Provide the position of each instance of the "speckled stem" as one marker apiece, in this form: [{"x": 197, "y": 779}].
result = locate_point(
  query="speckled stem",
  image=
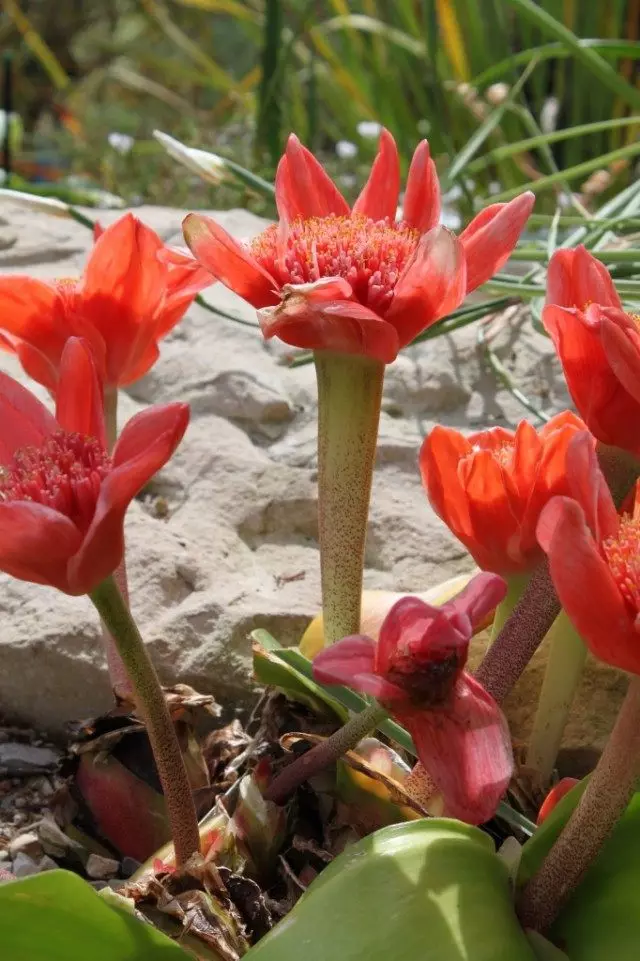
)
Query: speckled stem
[
  {"x": 120, "y": 683},
  {"x": 324, "y": 754},
  {"x": 153, "y": 708},
  {"x": 349, "y": 396},
  {"x": 516, "y": 584},
  {"x": 567, "y": 655},
  {"x": 621, "y": 470},
  {"x": 521, "y": 635},
  {"x": 604, "y": 800}
]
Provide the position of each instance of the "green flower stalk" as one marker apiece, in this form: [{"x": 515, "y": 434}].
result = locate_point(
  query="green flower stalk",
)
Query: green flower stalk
[{"x": 349, "y": 397}]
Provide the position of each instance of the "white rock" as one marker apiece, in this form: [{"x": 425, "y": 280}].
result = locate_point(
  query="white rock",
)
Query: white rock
[
  {"x": 24, "y": 866},
  {"x": 100, "y": 869},
  {"x": 28, "y": 843}
]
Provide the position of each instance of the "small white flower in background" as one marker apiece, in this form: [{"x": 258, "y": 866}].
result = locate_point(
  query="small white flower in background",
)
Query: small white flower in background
[
  {"x": 497, "y": 93},
  {"x": 369, "y": 129},
  {"x": 549, "y": 114},
  {"x": 121, "y": 142},
  {"x": 346, "y": 150}
]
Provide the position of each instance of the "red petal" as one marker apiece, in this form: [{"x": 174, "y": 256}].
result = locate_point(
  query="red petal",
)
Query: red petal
[
  {"x": 303, "y": 188},
  {"x": 351, "y": 662},
  {"x": 379, "y": 196},
  {"x": 621, "y": 343},
  {"x": 145, "y": 445},
  {"x": 491, "y": 236},
  {"x": 480, "y": 597},
  {"x": 79, "y": 398},
  {"x": 36, "y": 543},
  {"x": 308, "y": 317},
  {"x": 467, "y": 751},
  {"x": 496, "y": 525},
  {"x": 24, "y": 420},
  {"x": 228, "y": 261},
  {"x": 432, "y": 285},
  {"x": 421, "y": 207},
  {"x": 589, "y": 488},
  {"x": 32, "y": 311},
  {"x": 441, "y": 453},
  {"x": 576, "y": 278},
  {"x": 585, "y": 586},
  {"x": 554, "y": 797},
  {"x": 409, "y": 615}
]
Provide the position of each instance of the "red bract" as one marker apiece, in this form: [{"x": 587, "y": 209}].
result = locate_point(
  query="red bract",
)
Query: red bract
[
  {"x": 355, "y": 280},
  {"x": 62, "y": 498},
  {"x": 132, "y": 293},
  {"x": 416, "y": 670},
  {"x": 598, "y": 345},
  {"x": 490, "y": 487},
  {"x": 594, "y": 558}
]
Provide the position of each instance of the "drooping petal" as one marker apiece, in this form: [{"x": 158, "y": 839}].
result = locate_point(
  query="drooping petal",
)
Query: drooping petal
[
  {"x": 79, "y": 398},
  {"x": 491, "y": 236},
  {"x": 408, "y": 616},
  {"x": 36, "y": 543},
  {"x": 32, "y": 311},
  {"x": 351, "y": 662},
  {"x": 310, "y": 317},
  {"x": 145, "y": 445},
  {"x": 588, "y": 487},
  {"x": 432, "y": 285},
  {"x": 466, "y": 748},
  {"x": 585, "y": 586},
  {"x": 379, "y": 196},
  {"x": 576, "y": 278},
  {"x": 480, "y": 597},
  {"x": 303, "y": 187},
  {"x": 228, "y": 261},
  {"x": 421, "y": 206},
  {"x": 36, "y": 365},
  {"x": 621, "y": 343},
  {"x": 24, "y": 420},
  {"x": 607, "y": 409}
]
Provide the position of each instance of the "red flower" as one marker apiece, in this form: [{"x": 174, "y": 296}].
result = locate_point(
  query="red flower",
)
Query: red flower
[
  {"x": 356, "y": 281},
  {"x": 598, "y": 345},
  {"x": 62, "y": 498},
  {"x": 416, "y": 670},
  {"x": 132, "y": 293},
  {"x": 490, "y": 487},
  {"x": 594, "y": 559},
  {"x": 553, "y": 798}
]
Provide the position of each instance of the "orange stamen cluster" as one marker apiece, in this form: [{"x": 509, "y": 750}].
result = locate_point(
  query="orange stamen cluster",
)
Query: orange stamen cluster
[
  {"x": 64, "y": 474},
  {"x": 623, "y": 556},
  {"x": 370, "y": 254}
]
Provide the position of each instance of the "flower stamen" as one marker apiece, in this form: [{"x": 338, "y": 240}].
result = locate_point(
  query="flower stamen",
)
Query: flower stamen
[{"x": 623, "y": 556}]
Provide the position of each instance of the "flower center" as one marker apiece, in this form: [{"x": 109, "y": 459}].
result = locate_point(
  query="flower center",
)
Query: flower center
[
  {"x": 623, "y": 556},
  {"x": 428, "y": 682},
  {"x": 369, "y": 254},
  {"x": 65, "y": 474}
]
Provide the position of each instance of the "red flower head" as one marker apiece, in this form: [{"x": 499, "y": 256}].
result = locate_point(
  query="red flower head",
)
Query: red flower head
[
  {"x": 133, "y": 291},
  {"x": 598, "y": 345},
  {"x": 416, "y": 670},
  {"x": 62, "y": 498},
  {"x": 356, "y": 281},
  {"x": 594, "y": 559},
  {"x": 490, "y": 487}
]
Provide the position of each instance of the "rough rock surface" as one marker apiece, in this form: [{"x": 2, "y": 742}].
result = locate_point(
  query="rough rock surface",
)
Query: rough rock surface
[{"x": 225, "y": 540}]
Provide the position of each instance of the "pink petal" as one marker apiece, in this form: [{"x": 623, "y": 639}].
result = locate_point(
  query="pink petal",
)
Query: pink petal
[
  {"x": 589, "y": 488},
  {"x": 309, "y": 318},
  {"x": 145, "y": 445},
  {"x": 228, "y": 261},
  {"x": 24, "y": 420},
  {"x": 491, "y": 236},
  {"x": 36, "y": 543},
  {"x": 480, "y": 597},
  {"x": 432, "y": 285},
  {"x": 585, "y": 586},
  {"x": 379, "y": 196},
  {"x": 576, "y": 278},
  {"x": 621, "y": 343},
  {"x": 409, "y": 614},
  {"x": 351, "y": 662},
  {"x": 303, "y": 188},
  {"x": 466, "y": 748},
  {"x": 421, "y": 207},
  {"x": 79, "y": 397}
]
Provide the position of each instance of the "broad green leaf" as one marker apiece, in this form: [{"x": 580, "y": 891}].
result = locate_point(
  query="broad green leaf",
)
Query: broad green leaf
[
  {"x": 57, "y": 916},
  {"x": 430, "y": 890}
]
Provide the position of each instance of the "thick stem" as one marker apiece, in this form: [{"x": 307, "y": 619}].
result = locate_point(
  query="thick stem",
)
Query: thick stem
[
  {"x": 516, "y": 584},
  {"x": 521, "y": 635},
  {"x": 152, "y": 706},
  {"x": 324, "y": 754},
  {"x": 120, "y": 682},
  {"x": 349, "y": 396},
  {"x": 565, "y": 663},
  {"x": 604, "y": 800},
  {"x": 621, "y": 470}
]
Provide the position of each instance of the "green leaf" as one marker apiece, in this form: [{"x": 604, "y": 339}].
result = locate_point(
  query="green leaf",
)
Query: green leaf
[
  {"x": 601, "y": 920},
  {"x": 430, "y": 890},
  {"x": 57, "y": 916},
  {"x": 551, "y": 51}
]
